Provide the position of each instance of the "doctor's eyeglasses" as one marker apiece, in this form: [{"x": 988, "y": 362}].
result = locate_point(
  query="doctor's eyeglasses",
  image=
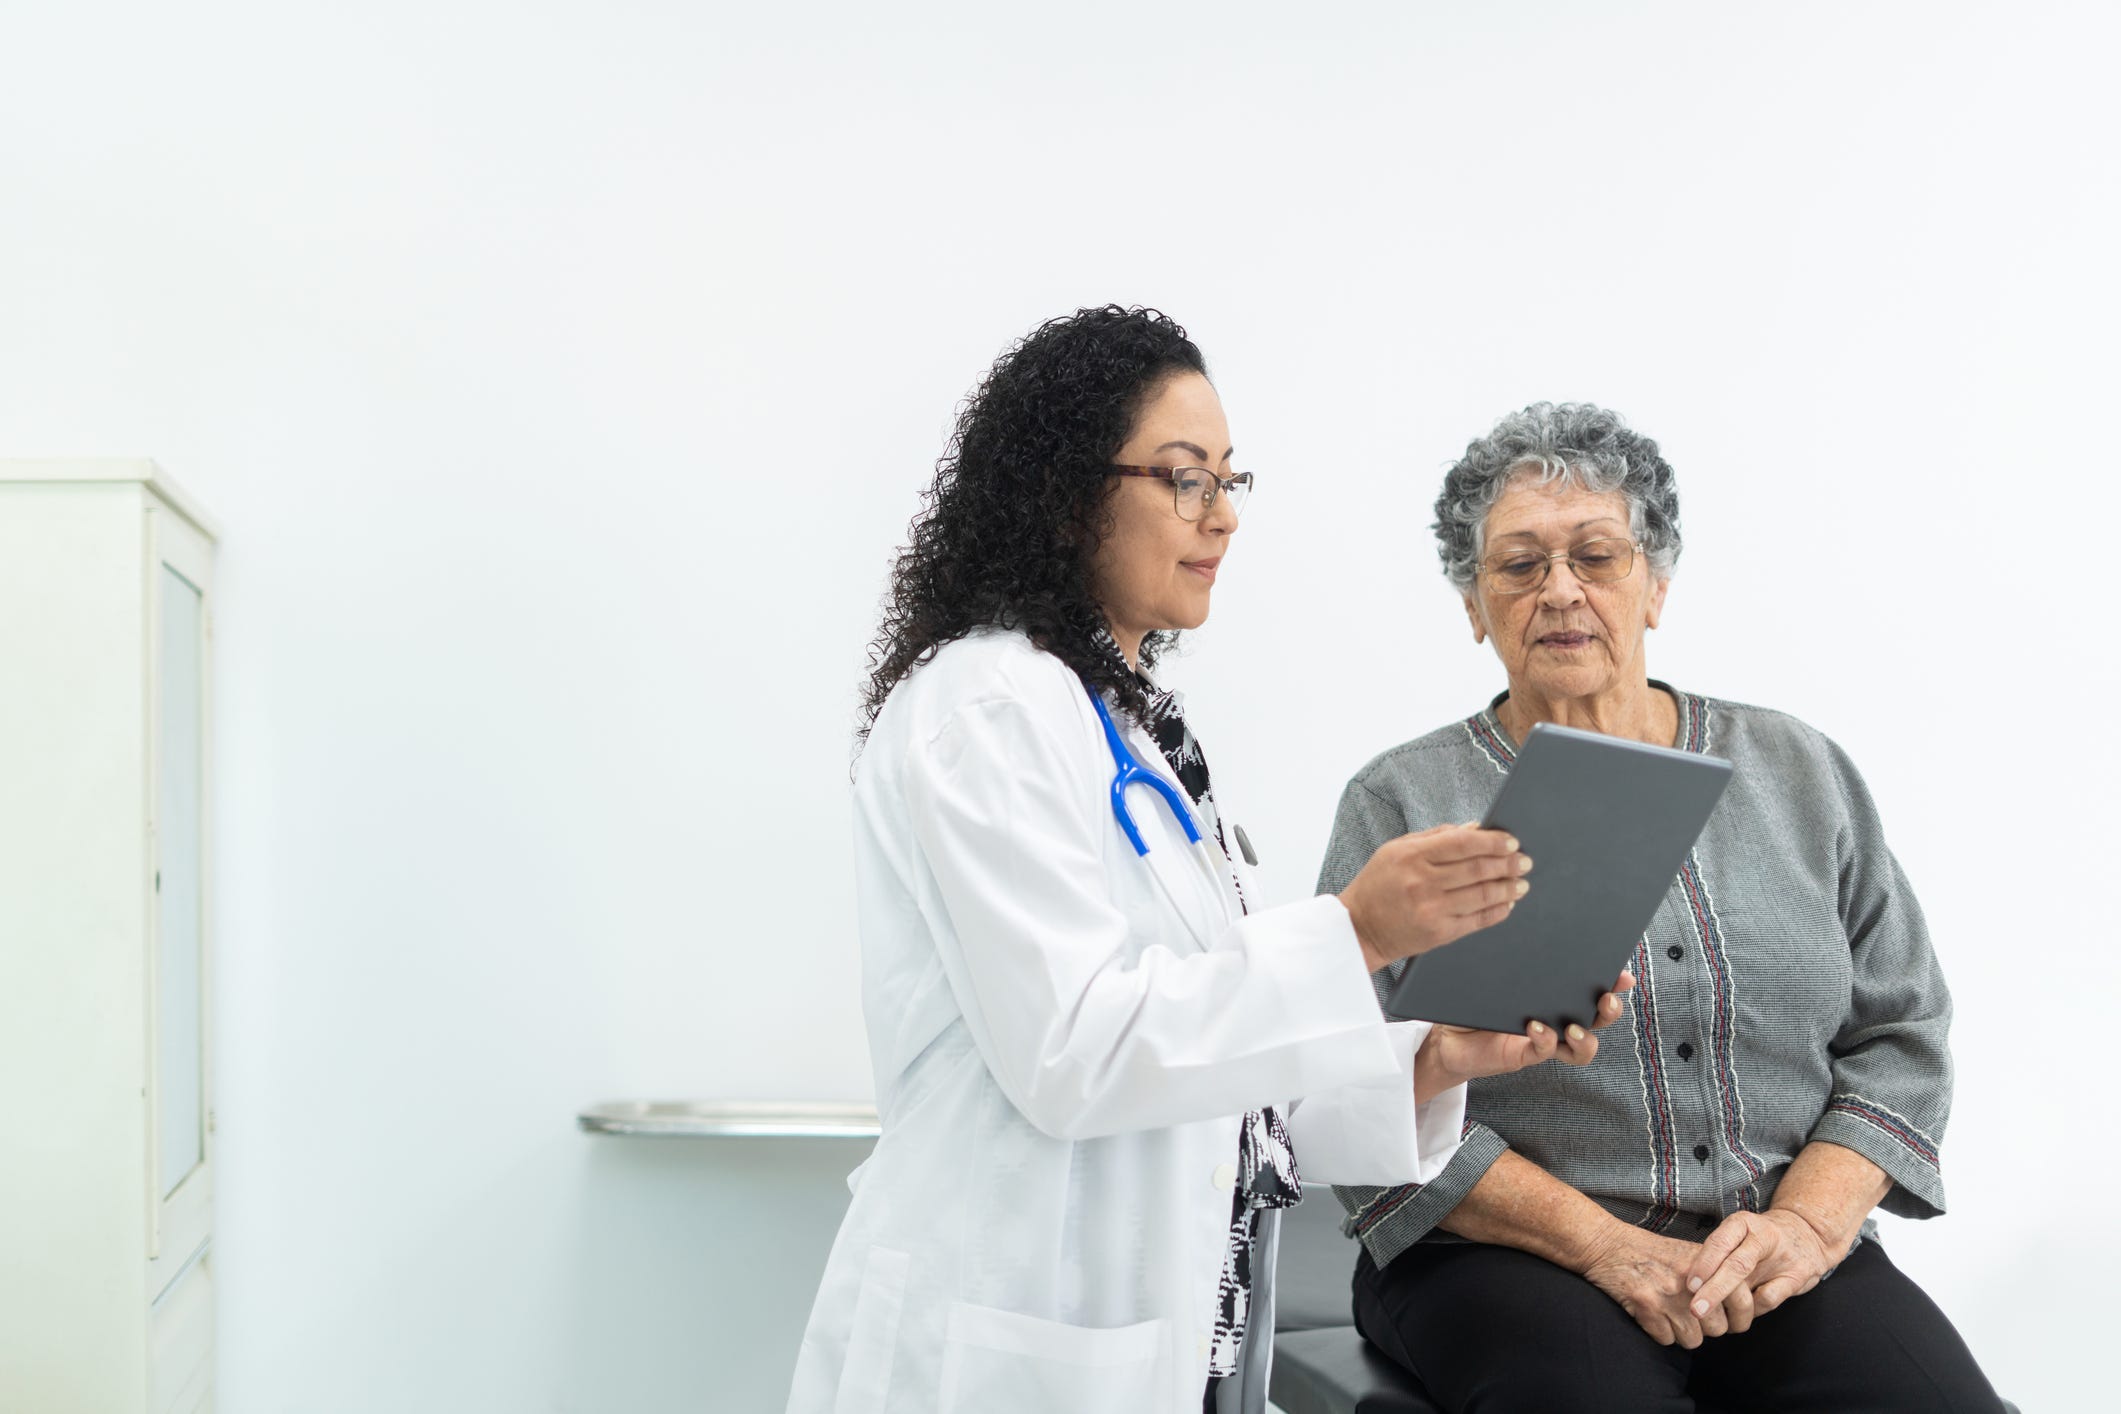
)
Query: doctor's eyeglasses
[
  {"x": 1194, "y": 488},
  {"x": 1592, "y": 562}
]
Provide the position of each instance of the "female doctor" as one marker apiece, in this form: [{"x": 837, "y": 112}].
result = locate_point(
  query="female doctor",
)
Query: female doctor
[{"x": 1099, "y": 1060}]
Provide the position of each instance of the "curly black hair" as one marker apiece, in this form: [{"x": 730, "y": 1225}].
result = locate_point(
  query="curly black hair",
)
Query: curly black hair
[{"x": 1020, "y": 502}]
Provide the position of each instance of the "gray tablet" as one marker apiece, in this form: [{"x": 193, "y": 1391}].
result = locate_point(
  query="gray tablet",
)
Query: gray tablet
[{"x": 1608, "y": 824}]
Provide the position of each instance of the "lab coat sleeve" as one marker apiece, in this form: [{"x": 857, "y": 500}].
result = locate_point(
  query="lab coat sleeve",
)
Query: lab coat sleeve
[
  {"x": 1373, "y": 1133},
  {"x": 1090, "y": 1031}
]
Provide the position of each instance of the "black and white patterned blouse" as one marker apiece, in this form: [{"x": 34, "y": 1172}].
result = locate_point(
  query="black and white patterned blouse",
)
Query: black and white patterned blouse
[{"x": 1267, "y": 1176}]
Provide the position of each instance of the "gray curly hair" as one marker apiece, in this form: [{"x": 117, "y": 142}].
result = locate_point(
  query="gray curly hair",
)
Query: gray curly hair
[{"x": 1575, "y": 443}]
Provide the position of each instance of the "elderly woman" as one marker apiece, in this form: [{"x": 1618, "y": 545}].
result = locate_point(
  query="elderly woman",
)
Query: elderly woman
[{"x": 1685, "y": 1223}]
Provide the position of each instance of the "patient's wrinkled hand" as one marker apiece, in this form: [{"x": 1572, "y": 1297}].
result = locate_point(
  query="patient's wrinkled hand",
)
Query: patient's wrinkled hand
[
  {"x": 1647, "y": 1273},
  {"x": 1756, "y": 1261}
]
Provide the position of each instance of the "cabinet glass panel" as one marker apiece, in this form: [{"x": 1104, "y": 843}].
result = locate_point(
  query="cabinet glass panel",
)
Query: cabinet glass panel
[{"x": 180, "y": 1058}]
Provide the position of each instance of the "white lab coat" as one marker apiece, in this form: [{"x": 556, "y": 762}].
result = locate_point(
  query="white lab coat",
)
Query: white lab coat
[{"x": 1065, "y": 1036}]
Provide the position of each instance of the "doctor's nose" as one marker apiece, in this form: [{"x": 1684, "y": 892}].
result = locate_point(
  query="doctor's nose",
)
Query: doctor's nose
[{"x": 1221, "y": 517}]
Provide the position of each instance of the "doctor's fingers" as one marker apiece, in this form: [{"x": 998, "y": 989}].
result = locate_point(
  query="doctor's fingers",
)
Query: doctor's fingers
[
  {"x": 1578, "y": 1046},
  {"x": 1611, "y": 1005},
  {"x": 1482, "y": 897},
  {"x": 1451, "y": 929},
  {"x": 1538, "y": 1048},
  {"x": 1460, "y": 873},
  {"x": 1447, "y": 842}
]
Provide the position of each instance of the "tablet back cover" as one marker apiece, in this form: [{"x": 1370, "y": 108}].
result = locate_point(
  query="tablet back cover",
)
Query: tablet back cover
[{"x": 1608, "y": 824}]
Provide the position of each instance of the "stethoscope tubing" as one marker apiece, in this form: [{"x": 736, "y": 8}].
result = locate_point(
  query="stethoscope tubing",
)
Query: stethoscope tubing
[
  {"x": 1131, "y": 772},
  {"x": 1128, "y": 771}
]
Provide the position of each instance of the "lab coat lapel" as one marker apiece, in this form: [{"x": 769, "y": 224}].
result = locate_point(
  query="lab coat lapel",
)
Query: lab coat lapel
[{"x": 1176, "y": 860}]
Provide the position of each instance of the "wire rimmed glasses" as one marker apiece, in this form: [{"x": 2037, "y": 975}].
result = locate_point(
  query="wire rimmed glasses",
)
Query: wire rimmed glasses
[
  {"x": 1599, "y": 561},
  {"x": 1194, "y": 489}
]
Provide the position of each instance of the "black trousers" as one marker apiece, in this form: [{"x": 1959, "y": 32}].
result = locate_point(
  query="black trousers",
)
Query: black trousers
[{"x": 1491, "y": 1330}]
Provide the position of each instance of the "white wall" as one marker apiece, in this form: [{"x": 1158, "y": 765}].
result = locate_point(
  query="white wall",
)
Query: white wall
[{"x": 565, "y": 374}]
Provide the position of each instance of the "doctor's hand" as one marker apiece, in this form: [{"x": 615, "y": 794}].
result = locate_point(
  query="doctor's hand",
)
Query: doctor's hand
[
  {"x": 1421, "y": 891},
  {"x": 1452, "y": 1055}
]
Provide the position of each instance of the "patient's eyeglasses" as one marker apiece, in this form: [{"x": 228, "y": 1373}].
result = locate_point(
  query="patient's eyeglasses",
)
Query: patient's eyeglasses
[
  {"x": 1593, "y": 562},
  {"x": 1194, "y": 488}
]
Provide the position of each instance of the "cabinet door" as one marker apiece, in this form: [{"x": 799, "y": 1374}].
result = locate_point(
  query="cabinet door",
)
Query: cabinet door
[{"x": 179, "y": 1086}]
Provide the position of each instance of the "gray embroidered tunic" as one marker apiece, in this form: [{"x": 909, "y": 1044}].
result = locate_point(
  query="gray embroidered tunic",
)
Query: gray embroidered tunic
[{"x": 1786, "y": 992}]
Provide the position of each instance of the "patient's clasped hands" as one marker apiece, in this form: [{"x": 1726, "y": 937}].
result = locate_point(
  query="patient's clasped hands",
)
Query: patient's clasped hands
[
  {"x": 1686, "y": 1292},
  {"x": 1754, "y": 1262}
]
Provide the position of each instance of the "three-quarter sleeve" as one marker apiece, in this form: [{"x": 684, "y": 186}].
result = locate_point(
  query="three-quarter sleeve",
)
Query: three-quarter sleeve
[{"x": 1891, "y": 1062}]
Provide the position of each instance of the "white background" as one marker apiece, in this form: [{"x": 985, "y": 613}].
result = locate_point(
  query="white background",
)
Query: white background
[{"x": 564, "y": 375}]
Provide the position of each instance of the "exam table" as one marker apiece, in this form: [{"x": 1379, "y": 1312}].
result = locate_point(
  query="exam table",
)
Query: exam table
[{"x": 1321, "y": 1364}]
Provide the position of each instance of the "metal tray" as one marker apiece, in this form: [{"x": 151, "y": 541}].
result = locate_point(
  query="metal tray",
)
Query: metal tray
[{"x": 731, "y": 1119}]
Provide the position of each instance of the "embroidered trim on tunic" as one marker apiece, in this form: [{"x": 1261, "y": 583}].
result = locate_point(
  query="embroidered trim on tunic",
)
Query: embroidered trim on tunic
[
  {"x": 1895, "y": 1126},
  {"x": 1724, "y": 1025}
]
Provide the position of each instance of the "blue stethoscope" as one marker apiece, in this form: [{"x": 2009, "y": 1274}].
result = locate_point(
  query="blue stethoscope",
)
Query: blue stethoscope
[{"x": 1131, "y": 772}]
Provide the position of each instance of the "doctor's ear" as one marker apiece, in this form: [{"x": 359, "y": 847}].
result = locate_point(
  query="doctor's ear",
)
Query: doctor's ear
[{"x": 1480, "y": 627}]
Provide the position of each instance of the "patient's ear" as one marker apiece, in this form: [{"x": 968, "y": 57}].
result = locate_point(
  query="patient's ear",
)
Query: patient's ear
[
  {"x": 1480, "y": 628},
  {"x": 1657, "y": 602}
]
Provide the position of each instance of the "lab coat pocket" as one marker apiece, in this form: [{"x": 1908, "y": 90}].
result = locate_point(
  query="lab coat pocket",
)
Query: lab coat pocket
[
  {"x": 872, "y": 1333},
  {"x": 1001, "y": 1360}
]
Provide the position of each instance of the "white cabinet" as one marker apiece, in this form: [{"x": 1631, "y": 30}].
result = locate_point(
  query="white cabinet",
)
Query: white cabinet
[{"x": 106, "y": 1056}]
